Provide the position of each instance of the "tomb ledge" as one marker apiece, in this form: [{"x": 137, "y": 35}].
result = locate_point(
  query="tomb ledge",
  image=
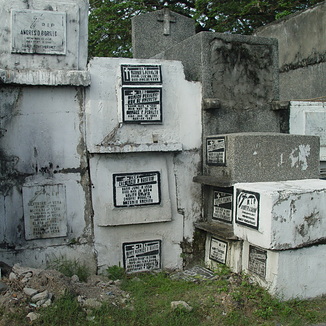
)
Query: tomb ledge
[
  {"x": 45, "y": 77},
  {"x": 135, "y": 148},
  {"x": 218, "y": 229},
  {"x": 213, "y": 181}
]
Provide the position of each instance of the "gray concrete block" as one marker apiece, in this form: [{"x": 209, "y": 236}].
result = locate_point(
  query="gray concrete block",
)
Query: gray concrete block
[{"x": 256, "y": 157}]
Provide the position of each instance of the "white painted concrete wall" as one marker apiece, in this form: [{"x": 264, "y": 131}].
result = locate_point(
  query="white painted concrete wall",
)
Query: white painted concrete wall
[
  {"x": 75, "y": 57},
  {"x": 43, "y": 143},
  {"x": 292, "y": 274},
  {"x": 233, "y": 257},
  {"x": 172, "y": 148},
  {"x": 291, "y": 214},
  {"x": 309, "y": 118}
]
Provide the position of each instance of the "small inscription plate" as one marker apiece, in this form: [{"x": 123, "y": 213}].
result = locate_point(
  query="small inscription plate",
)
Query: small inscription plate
[
  {"x": 222, "y": 205},
  {"x": 137, "y": 189},
  {"x": 142, "y": 105},
  {"x": 45, "y": 212},
  {"x": 142, "y": 256},
  {"x": 38, "y": 32},
  {"x": 247, "y": 208},
  {"x": 141, "y": 74},
  {"x": 218, "y": 250},
  {"x": 215, "y": 150},
  {"x": 257, "y": 261}
]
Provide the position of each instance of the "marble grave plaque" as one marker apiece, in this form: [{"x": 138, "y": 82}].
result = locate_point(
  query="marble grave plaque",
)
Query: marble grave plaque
[
  {"x": 136, "y": 189},
  {"x": 257, "y": 261},
  {"x": 215, "y": 150},
  {"x": 142, "y": 105},
  {"x": 38, "y": 32},
  {"x": 247, "y": 208},
  {"x": 142, "y": 256},
  {"x": 222, "y": 204},
  {"x": 218, "y": 250},
  {"x": 141, "y": 74},
  {"x": 45, "y": 213}
]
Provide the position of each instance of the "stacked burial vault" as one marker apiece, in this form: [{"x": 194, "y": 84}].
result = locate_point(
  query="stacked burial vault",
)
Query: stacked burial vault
[
  {"x": 101, "y": 168},
  {"x": 264, "y": 206}
]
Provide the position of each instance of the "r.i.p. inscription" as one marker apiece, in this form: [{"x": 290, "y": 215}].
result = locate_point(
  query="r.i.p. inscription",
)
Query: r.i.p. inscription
[{"x": 38, "y": 32}]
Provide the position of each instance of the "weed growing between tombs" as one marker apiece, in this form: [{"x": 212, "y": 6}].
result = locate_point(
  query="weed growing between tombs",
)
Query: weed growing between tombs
[
  {"x": 227, "y": 299},
  {"x": 70, "y": 267}
]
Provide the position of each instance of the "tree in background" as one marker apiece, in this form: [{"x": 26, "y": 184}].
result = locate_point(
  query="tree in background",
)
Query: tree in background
[{"x": 110, "y": 20}]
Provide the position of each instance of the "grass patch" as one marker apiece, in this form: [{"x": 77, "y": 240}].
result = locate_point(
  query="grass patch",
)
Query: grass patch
[
  {"x": 64, "y": 311},
  {"x": 228, "y": 300},
  {"x": 115, "y": 273},
  {"x": 70, "y": 267}
]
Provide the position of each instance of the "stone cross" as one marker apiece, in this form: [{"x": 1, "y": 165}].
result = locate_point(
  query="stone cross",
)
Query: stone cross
[
  {"x": 166, "y": 18},
  {"x": 147, "y": 37}
]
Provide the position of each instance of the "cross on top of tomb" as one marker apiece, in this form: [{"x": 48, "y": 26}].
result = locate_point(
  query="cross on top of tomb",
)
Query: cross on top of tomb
[
  {"x": 167, "y": 19},
  {"x": 148, "y": 39}
]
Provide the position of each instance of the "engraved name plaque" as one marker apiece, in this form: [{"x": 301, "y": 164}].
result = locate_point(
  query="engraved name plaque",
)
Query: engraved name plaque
[
  {"x": 247, "y": 208},
  {"x": 45, "y": 213},
  {"x": 142, "y": 105},
  {"x": 141, "y": 74},
  {"x": 136, "y": 189},
  {"x": 222, "y": 205},
  {"x": 38, "y": 32},
  {"x": 215, "y": 151},
  {"x": 257, "y": 261},
  {"x": 142, "y": 256},
  {"x": 218, "y": 250}
]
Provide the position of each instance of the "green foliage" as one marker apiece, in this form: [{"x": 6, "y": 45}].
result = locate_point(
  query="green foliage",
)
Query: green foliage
[
  {"x": 115, "y": 273},
  {"x": 110, "y": 20},
  {"x": 70, "y": 267}
]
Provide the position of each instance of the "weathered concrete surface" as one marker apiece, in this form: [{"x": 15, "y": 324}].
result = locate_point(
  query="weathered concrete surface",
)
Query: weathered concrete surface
[
  {"x": 290, "y": 274},
  {"x": 75, "y": 56},
  {"x": 256, "y": 157},
  {"x": 157, "y": 31},
  {"x": 239, "y": 73},
  {"x": 171, "y": 148},
  {"x": 42, "y": 143},
  {"x": 45, "y": 77},
  {"x": 309, "y": 118},
  {"x": 231, "y": 253},
  {"x": 287, "y": 215},
  {"x": 302, "y": 52},
  {"x": 107, "y": 133}
]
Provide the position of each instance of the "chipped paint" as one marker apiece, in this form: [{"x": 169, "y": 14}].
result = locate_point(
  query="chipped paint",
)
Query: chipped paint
[{"x": 299, "y": 157}]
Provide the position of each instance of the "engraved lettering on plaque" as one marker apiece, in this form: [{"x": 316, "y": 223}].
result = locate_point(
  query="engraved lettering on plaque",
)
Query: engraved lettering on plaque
[
  {"x": 247, "y": 208},
  {"x": 222, "y": 204},
  {"x": 215, "y": 151},
  {"x": 45, "y": 214},
  {"x": 141, "y": 74},
  {"x": 142, "y": 256},
  {"x": 257, "y": 261},
  {"x": 142, "y": 105},
  {"x": 218, "y": 250},
  {"x": 38, "y": 32},
  {"x": 136, "y": 189}
]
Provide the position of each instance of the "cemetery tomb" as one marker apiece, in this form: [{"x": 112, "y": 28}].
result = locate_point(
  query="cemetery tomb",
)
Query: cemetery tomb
[
  {"x": 157, "y": 31},
  {"x": 258, "y": 157},
  {"x": 281, "y": 215},
  {"x": 287, "y": 274},
  {"x": 44, "y": 42},
  {"x": 309, "y": 118},
  {"x": 222, "y": 251},
  {"x": 138, "y": 122}
]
